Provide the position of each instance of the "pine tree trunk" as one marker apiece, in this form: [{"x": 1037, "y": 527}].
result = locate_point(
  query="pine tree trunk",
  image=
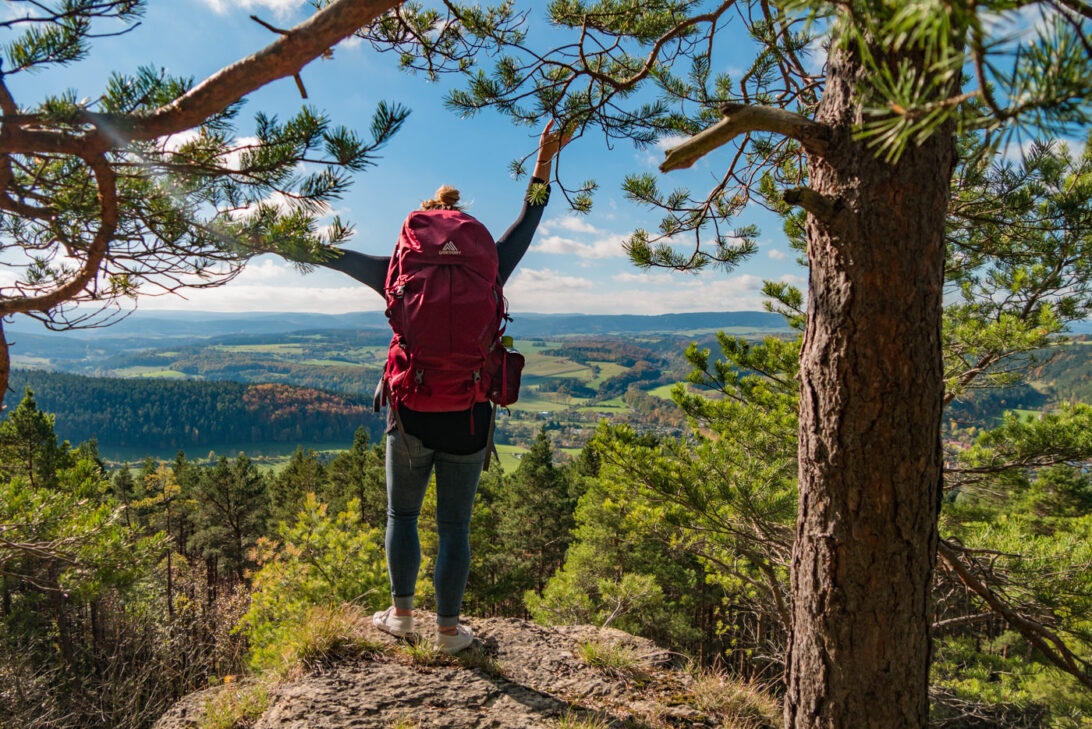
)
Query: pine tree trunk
[{"x": 870, "y": 414}]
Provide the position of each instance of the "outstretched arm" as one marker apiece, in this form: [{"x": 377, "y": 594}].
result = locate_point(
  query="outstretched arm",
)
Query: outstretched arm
[
  {"x": 368, "y": 270},
  {"x": 517, "y": 239}
]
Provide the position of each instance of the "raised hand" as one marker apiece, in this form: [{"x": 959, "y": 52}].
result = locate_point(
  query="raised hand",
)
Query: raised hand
[{"x": 549, "y": 144}]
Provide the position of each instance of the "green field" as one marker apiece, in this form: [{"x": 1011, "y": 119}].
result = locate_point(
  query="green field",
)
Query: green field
[
  {"x": 329, "y": 363},
  {"x": 606, "y": 371},
  {"x": 544, "y": 365},
  {"x": 149, "y": 372},
  {"x": 530, "y": 401},
  {"x": 509, "y": 456},
  {"x": 614, "y": 405}
]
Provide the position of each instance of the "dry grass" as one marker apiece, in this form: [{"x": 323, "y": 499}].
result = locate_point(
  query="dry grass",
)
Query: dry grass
[
  {"x": 403, "y": 722},
  {"x": 581, "y": 720},
  {"x": 329, "y": 632},
  {"x": 236, "y": 706},
  {"x": 617, "y": 660},
  {"x": 739, "y": 704},
  {"x": 424, "y": 652}
]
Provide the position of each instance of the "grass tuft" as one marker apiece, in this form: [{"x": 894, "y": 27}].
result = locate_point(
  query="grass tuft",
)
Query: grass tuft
[
  {"x": 424, "y": 652},
  {"x": 403, "y": 722},
  {"x": 329, "y": 632},
  {"x": 616, "y": 659},
  {"x": 581, "y": 720},
  {"x": 475, "y": 657},
  {"x": 741, "y": 704},
  {"x": 235, "y": 706}
]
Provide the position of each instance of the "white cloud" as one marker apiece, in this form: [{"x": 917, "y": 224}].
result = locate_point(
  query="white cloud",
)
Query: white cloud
[
  {"x": 662, "y": 277},
  {"x": 234, "y": 159},
  {"x": 815, "y": 55},
  {"x": 777, "y": 255},
  {"x": 531, "y": 281},
  {"x": 606, "y": 247},
  {"x": 672, "y": 140},
  {"x": 573, "y": 223},
  {"x": 271, "y": 284},
  {"x": 174, "y": 142},
  {"x": 235, "y": 297},
  {"x": 549, "y": 292},
  {"x": 280, "y": 8},
  {"x": 276, "y": 199}
]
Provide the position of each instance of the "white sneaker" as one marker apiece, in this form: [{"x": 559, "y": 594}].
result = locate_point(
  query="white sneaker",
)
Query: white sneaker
[
  {"x": 462, "y": 638},
  {"x": 400, "y": 626}
]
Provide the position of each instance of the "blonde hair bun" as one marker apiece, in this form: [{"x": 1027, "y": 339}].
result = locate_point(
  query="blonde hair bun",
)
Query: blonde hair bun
[{"x": 445, "y": 198}]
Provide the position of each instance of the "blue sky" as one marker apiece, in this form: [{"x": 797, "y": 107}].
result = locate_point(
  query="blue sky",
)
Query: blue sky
[{"x": 576, "y": 263}]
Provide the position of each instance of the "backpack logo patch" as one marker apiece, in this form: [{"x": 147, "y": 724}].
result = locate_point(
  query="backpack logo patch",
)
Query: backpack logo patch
[{"x": 450, "y": 249}]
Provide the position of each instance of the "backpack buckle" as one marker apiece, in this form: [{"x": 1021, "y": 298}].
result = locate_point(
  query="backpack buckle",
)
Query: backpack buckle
[
  {"x": 477, "y": 376},
  {"x": 418, "y": 376}
]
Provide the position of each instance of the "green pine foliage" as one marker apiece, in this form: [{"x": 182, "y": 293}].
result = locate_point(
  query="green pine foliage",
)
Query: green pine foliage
[
  {"x": 28, "y": 445},
  {"x": 534, "y": 514},
  {"x": 617, "y": 574},
  {"x": 318, "y": 560},
  {"x": 177, "y": 210},
  {"x": 304, "y": 474},
  {"x": 232, "y": 511},
  {"x": 359, "y": 473}
]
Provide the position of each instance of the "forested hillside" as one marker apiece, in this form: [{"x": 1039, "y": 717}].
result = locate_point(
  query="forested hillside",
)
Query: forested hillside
[{"x": 159, "y": 414}]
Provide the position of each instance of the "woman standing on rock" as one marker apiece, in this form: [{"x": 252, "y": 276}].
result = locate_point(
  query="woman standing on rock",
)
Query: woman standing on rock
[{"x": 445, "y": 271}]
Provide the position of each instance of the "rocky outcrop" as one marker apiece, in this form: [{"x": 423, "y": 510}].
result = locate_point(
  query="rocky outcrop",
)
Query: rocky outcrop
[{"x": 517, "y": 675}]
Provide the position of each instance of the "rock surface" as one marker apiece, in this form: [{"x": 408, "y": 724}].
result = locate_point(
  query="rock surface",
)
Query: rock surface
[{"x": 518, "y": 675}]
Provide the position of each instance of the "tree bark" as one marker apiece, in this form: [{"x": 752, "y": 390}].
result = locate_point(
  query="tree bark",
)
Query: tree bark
[{"x": 870, "y": 415}]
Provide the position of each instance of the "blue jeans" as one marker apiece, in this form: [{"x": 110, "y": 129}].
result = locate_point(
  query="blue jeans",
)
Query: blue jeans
[{"x": 409, "y": 465}]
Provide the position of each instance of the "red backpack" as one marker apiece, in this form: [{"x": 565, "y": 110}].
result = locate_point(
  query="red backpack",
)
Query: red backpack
[{"x": 447, "y": 309}]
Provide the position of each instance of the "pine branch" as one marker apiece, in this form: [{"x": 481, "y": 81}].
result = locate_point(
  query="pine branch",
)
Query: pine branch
[
  {"x": 1046, "y": 641},
  {"x": 743, "y": 118},
  {"x": 282, "y": 58},
  {"x": 108, "y": 223}
]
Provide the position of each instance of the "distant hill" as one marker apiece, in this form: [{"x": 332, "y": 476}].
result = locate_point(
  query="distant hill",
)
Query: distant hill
[
  {"x": 154, "y": 415},
  {"x": 170, "y": 324}
]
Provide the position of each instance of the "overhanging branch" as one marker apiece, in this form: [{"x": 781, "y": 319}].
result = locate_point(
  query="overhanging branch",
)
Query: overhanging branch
[
  {"x": 282, "y": 58},
  {"x": 742, "y": 118}
]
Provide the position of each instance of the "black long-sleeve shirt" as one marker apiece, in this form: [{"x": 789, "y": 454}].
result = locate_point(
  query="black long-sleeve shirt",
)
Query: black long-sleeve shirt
[{"x": 463, "y": 431}]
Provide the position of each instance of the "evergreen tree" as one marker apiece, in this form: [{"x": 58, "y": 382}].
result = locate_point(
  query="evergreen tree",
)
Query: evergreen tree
[
  {"x": 232, "y": 511},
  {"x": 123, "y": 488},
  {"x": 617, "y": 574},
  {"x": 28, "y": 445},
  {"x": 64, "y": 550},
  {"x": 187, "y": 475},
  {"x": 303, "y": 475},
  {"x": 865, "y": 147},
  {"x": 359, "y": 473},
  {"x": 490, "y": 589},
  {"x": 534, "y": 515}
]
